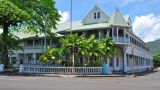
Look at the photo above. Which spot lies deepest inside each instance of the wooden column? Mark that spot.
(50, 43)
(33, 42)
(114, 63)
(113, 33)
(124, 33)
(84, 34)
(117, 35)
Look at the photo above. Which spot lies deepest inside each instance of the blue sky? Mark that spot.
(145, 14)
(132, 7)
(142, 13)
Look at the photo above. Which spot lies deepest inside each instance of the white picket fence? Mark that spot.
(59, 70)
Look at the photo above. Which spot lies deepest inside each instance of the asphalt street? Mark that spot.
(147, 82)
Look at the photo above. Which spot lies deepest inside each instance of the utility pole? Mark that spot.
(73, 60)
(72, 51)
(71, 18)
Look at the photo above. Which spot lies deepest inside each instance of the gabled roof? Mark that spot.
(90, 20)
(117, 19)
(127, 19)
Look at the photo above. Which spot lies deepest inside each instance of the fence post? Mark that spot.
(21, 68)
(105, 69)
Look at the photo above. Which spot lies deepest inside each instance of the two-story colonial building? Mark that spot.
(131, 49)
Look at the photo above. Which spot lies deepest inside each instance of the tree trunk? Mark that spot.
(5, 47)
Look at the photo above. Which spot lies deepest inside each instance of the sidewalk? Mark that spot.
(60, 75)
(83, 76)
(111, 75)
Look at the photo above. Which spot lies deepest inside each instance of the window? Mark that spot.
(117, 62)
(128, 60)
(81, 60)
(98, 15)
(95, 16)
(111, 61)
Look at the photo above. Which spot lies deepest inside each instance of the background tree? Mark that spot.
(36, 16)
(156, 59)
(10, 15)
(44, 15)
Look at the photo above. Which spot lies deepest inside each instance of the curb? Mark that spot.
(101, 76)
(56, 75)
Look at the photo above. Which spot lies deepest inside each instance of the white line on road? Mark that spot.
(17, 78)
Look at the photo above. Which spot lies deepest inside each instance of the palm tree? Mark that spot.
(94, 50)
(52, 55)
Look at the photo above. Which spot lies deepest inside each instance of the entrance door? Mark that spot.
(111, 63)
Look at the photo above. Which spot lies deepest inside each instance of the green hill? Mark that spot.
(154, 45)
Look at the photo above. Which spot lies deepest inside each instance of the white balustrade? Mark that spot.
(36, 47)
(121, 39)
(59, 70)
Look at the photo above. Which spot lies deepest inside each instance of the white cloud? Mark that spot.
(65, 16)
(126, 2)
(147, 27)
(120, 3)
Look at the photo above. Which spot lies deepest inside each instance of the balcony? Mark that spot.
(121, 40)
(36, 47)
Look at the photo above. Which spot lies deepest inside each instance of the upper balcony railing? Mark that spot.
(37, 47)
(121, 40)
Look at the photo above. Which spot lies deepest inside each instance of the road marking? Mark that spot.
(17, 78)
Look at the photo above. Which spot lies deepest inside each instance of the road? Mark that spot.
(148, 82)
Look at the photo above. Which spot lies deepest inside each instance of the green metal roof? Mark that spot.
(23, 35)
(117, 19)
(78, 26)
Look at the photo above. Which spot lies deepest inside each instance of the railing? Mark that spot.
(36, 47)
(121, 39)
(59, 70)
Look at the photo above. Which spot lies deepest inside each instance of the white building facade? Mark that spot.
(133, 53)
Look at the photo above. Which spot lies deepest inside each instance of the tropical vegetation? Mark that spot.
(33, 16)
(156, 59)
(92, 49)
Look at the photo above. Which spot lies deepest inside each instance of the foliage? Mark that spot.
(97, 63)
(70, 41)
(43, 15)
(36, 16)
(52, 55)
(10, 14)
(156, 59)
(95, 50)
(11, 42)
